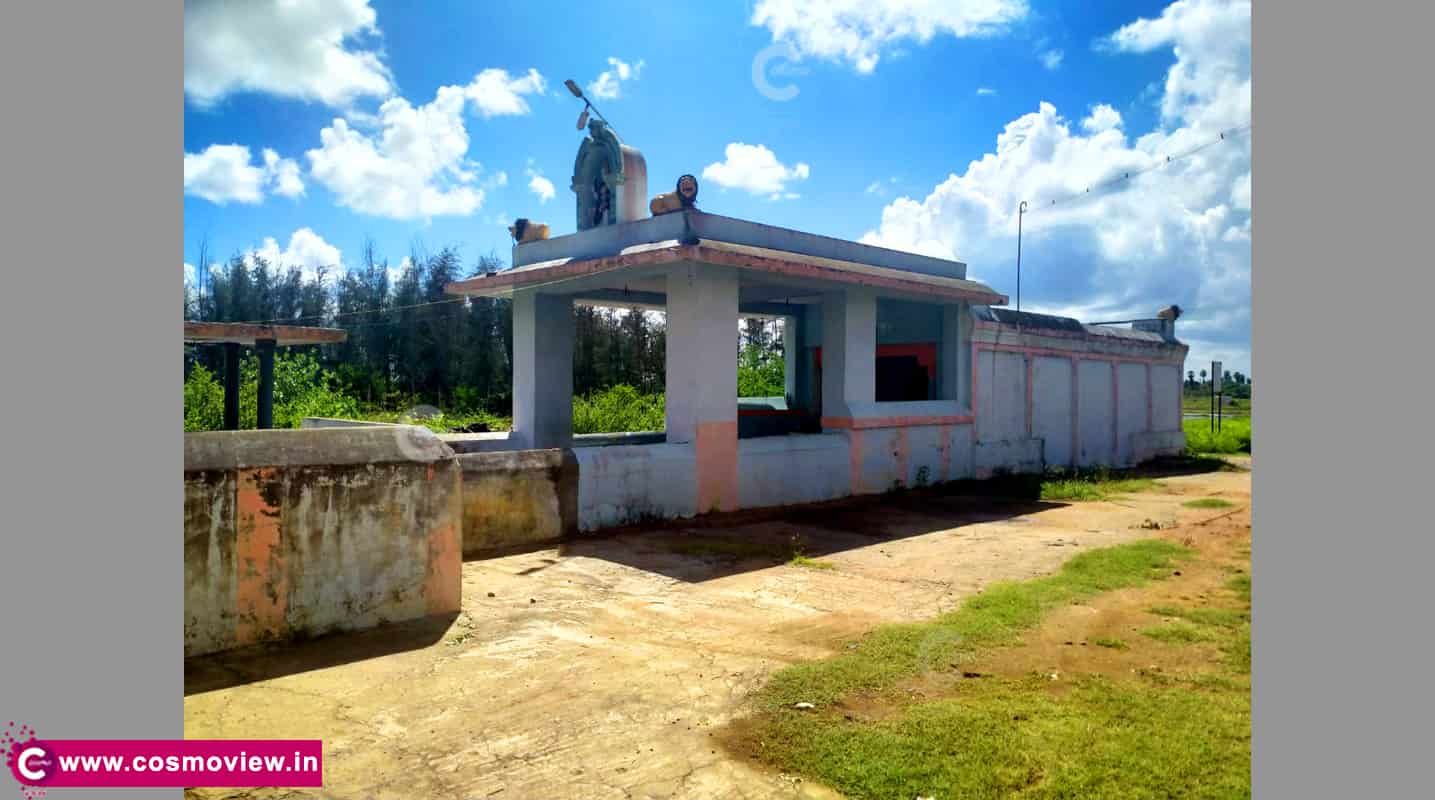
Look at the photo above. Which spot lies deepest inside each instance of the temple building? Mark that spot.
(900, 370)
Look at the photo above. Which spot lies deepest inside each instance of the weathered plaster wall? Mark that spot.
(625, 484)
(783, 470)
(518, 498)
(1051, 416)
(1131, 407)
(1166, 397)
(1095, 436)
(291, 534)
(1001, 396)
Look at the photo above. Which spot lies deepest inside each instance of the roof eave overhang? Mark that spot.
(502, 284)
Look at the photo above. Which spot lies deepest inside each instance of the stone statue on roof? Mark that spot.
(610, 179)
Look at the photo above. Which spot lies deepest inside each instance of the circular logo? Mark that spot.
(938, 651)
(34, 763)
(781, 50)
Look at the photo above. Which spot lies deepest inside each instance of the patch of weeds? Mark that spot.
(1219, 617)
(800, 560)
(1178, 633)
(1208, 502)
(998, 615)
(1111, 644)
(1089, 485)
(1241, 585)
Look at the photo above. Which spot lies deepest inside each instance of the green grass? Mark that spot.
(1218, 617)
(1233, 437)
(800, 560)
(998, 615)
(1154, 734)
(1178, 633)
(1101, 739)
(1089, 485)
(1229, 628)
(1208, 502)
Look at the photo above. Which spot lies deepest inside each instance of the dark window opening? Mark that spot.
(902, 378)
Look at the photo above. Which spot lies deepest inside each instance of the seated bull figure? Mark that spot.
(684, 195)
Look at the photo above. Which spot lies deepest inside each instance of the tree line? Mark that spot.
(410, 343)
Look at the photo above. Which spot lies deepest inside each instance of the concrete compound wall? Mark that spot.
(518, 498)
(290, 534)
(1047, 397)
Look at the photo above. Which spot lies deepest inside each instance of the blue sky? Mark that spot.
(311, 130)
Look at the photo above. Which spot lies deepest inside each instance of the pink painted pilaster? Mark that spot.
(854, 459)
(1075, 416)
(716, 447)
(1115, 412)
(1148, 398)
(1028, 395)
(902, 454)
(944, 443)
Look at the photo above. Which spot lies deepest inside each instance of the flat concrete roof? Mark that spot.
(769, 261)
(695, 225)
(245, 333)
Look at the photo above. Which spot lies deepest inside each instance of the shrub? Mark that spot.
(301, 389)
(1233, 437)
(618, 408)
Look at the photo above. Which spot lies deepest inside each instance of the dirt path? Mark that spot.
(602, 668)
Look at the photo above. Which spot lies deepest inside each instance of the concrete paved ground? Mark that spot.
(599, 669)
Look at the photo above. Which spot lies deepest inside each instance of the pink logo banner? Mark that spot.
(166, 763)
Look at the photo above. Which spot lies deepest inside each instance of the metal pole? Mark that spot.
(231, 386)
(265, 349)
(1020, 211)
(1211, 417)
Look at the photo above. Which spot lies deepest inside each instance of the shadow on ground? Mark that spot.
(263, 662)
(720, 545)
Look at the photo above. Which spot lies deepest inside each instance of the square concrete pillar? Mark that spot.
(954, 363)
(792, 358)
(702, 340)
(849, 352)
(542, 370)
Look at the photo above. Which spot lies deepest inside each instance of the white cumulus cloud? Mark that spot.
(1178, 234)
(414, 167)
(283, 174)
(497, 94)
(540, 186)
(1102, 118)
(755, 169)
(985, 91)
(225, 173)
(859, 31)
(306, 250)
(1051, 59)
(320, 51)
(411, 162)
(609, 83)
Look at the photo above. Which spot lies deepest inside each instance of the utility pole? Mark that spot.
(1020, 211)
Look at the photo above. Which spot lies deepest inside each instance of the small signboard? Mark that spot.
(1216, 376)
